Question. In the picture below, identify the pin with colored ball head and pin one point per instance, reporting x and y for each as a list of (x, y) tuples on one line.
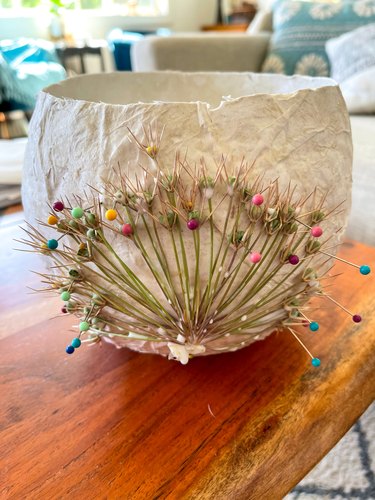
[(314, 361), (314, 326), (65, 296), (64, 310), (316, 231), (58, 206), (52, 244), (364, 269), (257, 199), (84, 326), (69, 349), (293, 259), (193, 224), (77, 212), (111, 214), (127, 229), (356, 318), (76, 342), (52, 220), (255, 257)]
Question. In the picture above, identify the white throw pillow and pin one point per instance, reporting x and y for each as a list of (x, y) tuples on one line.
[(352, 59), (359, 91)]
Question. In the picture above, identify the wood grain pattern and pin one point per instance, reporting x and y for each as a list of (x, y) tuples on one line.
[(108, 423)]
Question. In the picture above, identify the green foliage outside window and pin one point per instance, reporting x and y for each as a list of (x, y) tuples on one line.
[(91, 4), (28, 4), (57, 6)]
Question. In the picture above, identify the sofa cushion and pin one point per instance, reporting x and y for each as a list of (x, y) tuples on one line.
[(352, 52), (301, 29), (352, 59), (26, 66)]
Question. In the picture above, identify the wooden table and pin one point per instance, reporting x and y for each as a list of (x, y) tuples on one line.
[(108, 423), (225, 28)]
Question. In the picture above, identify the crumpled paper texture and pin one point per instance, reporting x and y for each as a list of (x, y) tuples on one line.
[(295, 129)]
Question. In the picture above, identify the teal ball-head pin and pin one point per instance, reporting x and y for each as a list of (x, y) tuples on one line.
[(365, 270), (77, 212), (52, 244), (76, 342), (314, 326), (315, 362)]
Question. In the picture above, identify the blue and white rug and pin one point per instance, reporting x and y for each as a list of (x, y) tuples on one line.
[(348, 471)]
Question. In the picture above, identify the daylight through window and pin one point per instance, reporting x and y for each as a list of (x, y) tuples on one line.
[(124, 7)]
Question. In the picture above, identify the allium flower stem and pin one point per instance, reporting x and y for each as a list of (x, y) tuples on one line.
[(253, 271), (212, 268), (147, 258), (122, 305), (138, 283), (184, 288), (160, 255), (147, 337), (196, 295), (227, 285), (112, 276)]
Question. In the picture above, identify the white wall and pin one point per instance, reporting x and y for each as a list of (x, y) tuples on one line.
[(184, 15), (14, 27), (190, 15)]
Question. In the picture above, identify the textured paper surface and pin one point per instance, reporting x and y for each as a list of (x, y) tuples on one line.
[(295, 129)]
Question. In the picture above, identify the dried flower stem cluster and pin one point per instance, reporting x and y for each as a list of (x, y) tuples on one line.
[(211, 263)]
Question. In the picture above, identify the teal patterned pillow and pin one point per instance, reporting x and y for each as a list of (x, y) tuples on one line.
[(301, 29)]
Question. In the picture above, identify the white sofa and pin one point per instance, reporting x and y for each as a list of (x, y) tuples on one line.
[(246, 52)]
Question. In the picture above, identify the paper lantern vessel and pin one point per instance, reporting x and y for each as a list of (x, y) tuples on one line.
[(188, 214)]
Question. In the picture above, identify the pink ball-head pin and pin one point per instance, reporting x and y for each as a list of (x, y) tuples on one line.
[(127, 229), (257, 199), (316, 231), (255, 257)]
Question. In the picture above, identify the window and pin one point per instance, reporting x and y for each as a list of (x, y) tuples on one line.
[(111, 7)]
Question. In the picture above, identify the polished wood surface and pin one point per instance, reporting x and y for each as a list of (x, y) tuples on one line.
[(108, 423), (225, 28)]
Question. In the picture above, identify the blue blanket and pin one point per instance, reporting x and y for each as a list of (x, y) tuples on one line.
[(26, 67)]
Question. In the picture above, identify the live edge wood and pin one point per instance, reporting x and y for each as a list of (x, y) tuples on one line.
[(108, 423)]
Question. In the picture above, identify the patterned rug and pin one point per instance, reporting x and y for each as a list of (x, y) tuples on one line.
[(348, 471)]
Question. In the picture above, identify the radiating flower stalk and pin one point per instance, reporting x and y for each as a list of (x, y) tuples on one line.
[(187, 262)]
